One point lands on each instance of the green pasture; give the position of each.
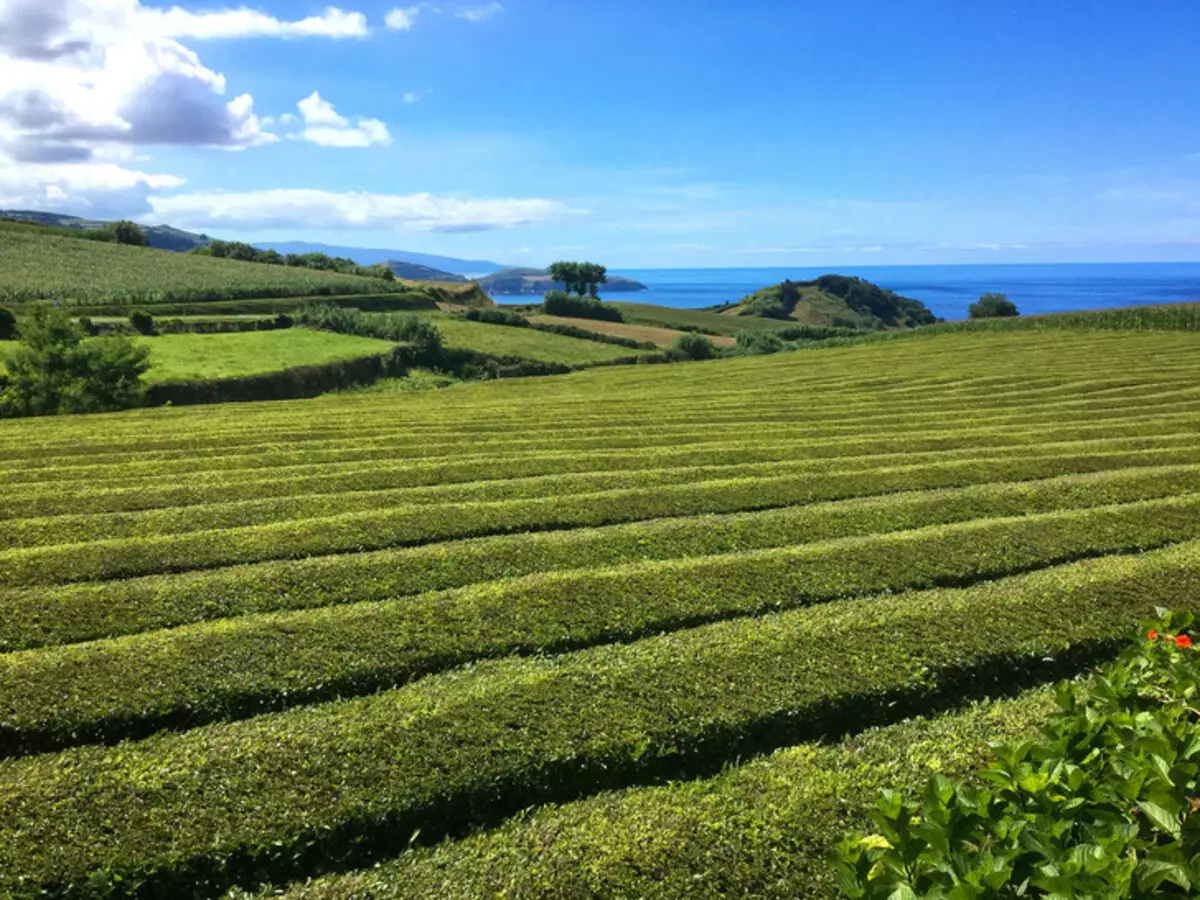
(633, 631)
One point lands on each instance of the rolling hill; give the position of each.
(368, 257)
(836, 300)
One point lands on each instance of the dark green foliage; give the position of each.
(126, 232)
(581, 278)
(693, 346)
(8, 324)
(142, 321)
(757, 343)
(55, 371)
(559, 303)
(869, 299)
(497, 317)
(400, 327)
(993, 306)
(283, 320)
(1103, 805)
(320, 261)
(90, 328)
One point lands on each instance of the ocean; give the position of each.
(947, 290)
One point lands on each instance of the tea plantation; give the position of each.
(640, 631)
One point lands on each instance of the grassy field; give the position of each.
(619, 633)
(85, 273)
(714, 323)
(503, 340)
(187, 357)
(662, 337)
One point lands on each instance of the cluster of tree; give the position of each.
(871, 300)
(391, 326)
(122, 232)
(992, 306)
(54, 370)
(560, 303)
(320, 261)
(582, 278)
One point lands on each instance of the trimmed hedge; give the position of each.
(66, 614)
(762, 829)
(135, 686)
(355, 532)
(289, 794)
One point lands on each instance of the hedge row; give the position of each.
(135, 686)
(763, 829)
(515, 455)
(425, 298)
(287, 506)
(406, 526)
(72, 613)
(286, 384)
(366, 416)
(286, 795)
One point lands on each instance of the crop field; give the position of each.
(634, 631)
(185, 357)
(715, 323)
(84, 273)
(503, 340)
(663, 337)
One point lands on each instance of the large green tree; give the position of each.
(54, 370)
(992, 306)
(127, 232)
(579, 277)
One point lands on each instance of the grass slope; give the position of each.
(252, 644)
(82, 273)
(692, 319)
(502, 340)
(662, 337)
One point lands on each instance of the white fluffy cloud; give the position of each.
(83, 78)
(325, 127)
(401, 19)
(401, 212)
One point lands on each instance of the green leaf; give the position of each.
(1161, 817)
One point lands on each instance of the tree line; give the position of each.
(320, 261)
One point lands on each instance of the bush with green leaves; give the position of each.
(142, 321)
(693, 346)
(993, 306)
(55, 371)
(1104, 805)
(560, 303)
(760, 342)
(131, 233)
(8, 324)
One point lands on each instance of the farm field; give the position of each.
(503, 340)
(84, 273)
(633, 631)
(663, 337)
(666, 317)
(186, 357)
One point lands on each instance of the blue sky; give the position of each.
(640, 134)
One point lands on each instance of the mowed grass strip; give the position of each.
(763, 829)
(235, 668)
(35, 617)
(407, 526)
(70, 529)
(283, 795)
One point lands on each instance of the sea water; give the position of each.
(947, 290)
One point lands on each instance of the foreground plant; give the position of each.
(1104, 805)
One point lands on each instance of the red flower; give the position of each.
(1183, 641)
(1153, 635)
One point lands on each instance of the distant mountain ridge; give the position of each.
(414, 272)
(368, 257)
(524, 281)
(162, 237)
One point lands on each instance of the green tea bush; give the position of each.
(693, 346)
(1104, 805)
(758, 342)
(560, 303)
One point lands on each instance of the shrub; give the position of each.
(283, 320)
(8, 324)
(993, 306)
(496, 317)
(759, 342)
(693, 346)
(142, 322)
(131, 233)
(560, 303)
(90, 328)
(55, 371)
(1103, 805)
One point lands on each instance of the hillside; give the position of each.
(414, 272)
(84, 273)
(161, 237)
(520, 281)
(366, 256)
(626, 632)
(836, 300)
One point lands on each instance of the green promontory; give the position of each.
(833, 300)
